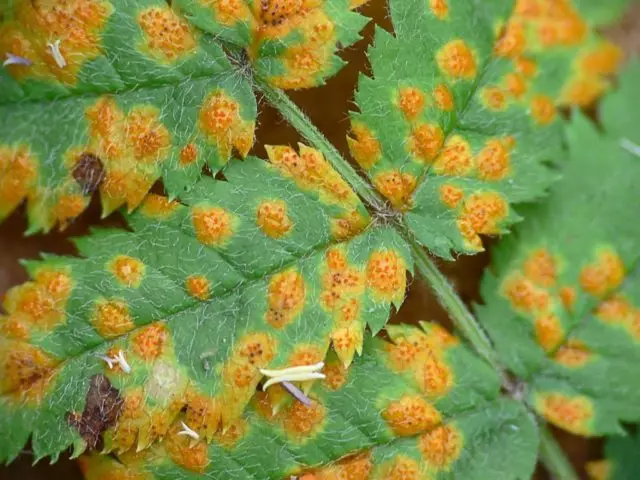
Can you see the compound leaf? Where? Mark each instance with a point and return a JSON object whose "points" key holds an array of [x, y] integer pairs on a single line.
{"points": [[562, 299], [140, 95], [621, 460], [266, 269], [456, 135], [433, 411]]}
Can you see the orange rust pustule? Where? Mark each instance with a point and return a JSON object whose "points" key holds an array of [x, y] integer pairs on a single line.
{"points": [[439, 8], [354, 467], [336, 375], [188, 154], [441, 447], [386, 274], [574, 354], [158, 206], [112, 318], [481, 213], [524, 295], [411, 102], [147, 135], [549, 331], [603, 275], [540, 267], [513, 41], [434, 376], [455, 159], [402, 468], [127, 270], [444, 98], [168, 36], [397, 187], [181, 450], [285, 296], [494, 160], [27, 371], [425, 141], [18, 176], [78, 25], [543, 110], [456, 59], [411, 415], [221, 121], [494, 98], [213, 225], [301, 421], [451, 195], [272, 218], [571, 413], [198, 286], [149, 343], [364, 145], [340, 283]]}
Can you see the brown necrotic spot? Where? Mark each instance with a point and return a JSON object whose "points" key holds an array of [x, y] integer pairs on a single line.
{"points": [[88, 172], [101, 410]]}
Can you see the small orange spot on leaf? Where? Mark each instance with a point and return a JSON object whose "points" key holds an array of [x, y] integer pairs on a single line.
{"points": [[411, 102], [111, 318], [213, 225], [571, 413], [198, 286], [364, 146], [457, 60], [285, 296], [411, 415], [441, 447], [127, 270], [425, 141], [397, 188], [272, 218]]}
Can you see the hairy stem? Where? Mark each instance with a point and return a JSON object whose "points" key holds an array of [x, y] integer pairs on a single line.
{"points": [[553, 457], [299, 120], [551, 454]]}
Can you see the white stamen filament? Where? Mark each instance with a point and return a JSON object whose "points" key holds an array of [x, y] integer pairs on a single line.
{"points": [[288, 371], [294, 377], [118, 359], [188, 432], [16, 60], [54, 49]]}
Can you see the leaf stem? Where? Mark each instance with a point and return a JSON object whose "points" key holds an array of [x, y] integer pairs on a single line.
{"points": [[553, 457], [299, 120]]}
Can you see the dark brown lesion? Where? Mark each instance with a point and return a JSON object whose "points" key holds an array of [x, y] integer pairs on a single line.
{"points": [[88, 172], [102, 408]]}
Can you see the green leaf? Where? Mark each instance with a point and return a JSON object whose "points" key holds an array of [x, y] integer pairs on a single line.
{"points": [[459, 117], [142, 96], [266, 269], [621, 460], [562, 299], [433, 411]]}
